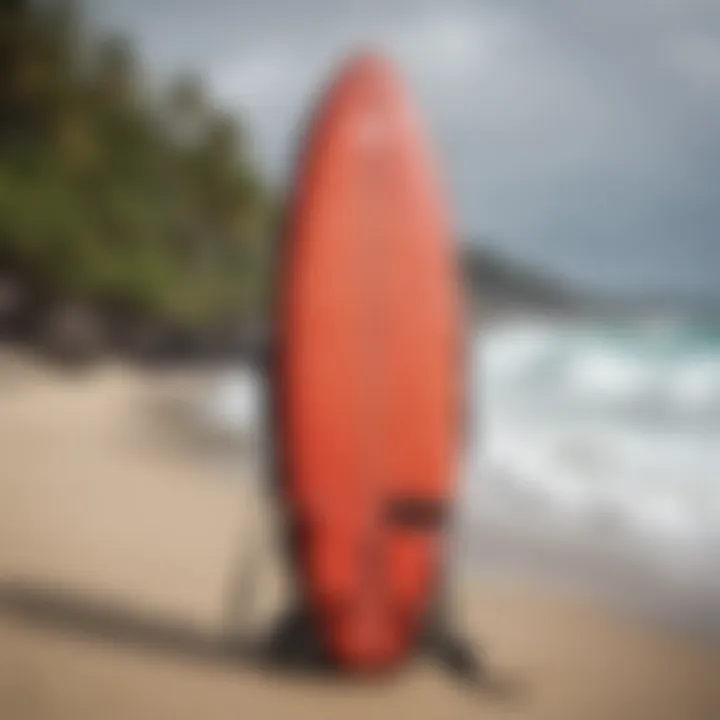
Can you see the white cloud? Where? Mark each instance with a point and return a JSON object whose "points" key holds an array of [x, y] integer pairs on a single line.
{"points": [[699, 58]]}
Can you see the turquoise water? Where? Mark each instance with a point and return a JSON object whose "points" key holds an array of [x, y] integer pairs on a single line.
{"points": [[619, 422]]}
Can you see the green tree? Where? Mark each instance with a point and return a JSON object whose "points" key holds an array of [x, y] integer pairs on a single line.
{"points": [[115, 197]]}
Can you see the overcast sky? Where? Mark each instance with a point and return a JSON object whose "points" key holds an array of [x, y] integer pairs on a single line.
{"points": [[583, 135]]}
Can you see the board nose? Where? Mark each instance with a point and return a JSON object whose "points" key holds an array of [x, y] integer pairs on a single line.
{"points": [[371, 64], [370, 91], [371, 74]]}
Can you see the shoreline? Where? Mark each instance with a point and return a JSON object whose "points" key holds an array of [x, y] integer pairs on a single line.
{"points": [[115, 523]]}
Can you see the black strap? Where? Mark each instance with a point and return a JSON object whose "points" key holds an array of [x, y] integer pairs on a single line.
{"points": [[417, 513]]}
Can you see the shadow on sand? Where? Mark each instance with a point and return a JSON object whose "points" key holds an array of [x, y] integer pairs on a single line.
{"points": [[68, 612]]}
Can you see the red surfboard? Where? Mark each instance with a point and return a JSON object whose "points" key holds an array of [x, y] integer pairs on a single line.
{"points": [[368, 373]]}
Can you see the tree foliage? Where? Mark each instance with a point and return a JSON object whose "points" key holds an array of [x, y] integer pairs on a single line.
{"points": [[109, 194]]}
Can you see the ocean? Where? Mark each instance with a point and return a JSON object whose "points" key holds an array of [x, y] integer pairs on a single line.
{"points": [[592, 459], [603, 425]]}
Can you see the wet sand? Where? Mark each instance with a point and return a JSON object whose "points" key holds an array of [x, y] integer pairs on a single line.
{"points": [[119, 531]]}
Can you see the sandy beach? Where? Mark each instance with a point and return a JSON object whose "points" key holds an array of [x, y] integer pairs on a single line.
{"points": [[119, 531]]}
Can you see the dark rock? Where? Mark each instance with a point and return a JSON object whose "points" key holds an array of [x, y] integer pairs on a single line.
{"points": [[73, 333]]}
